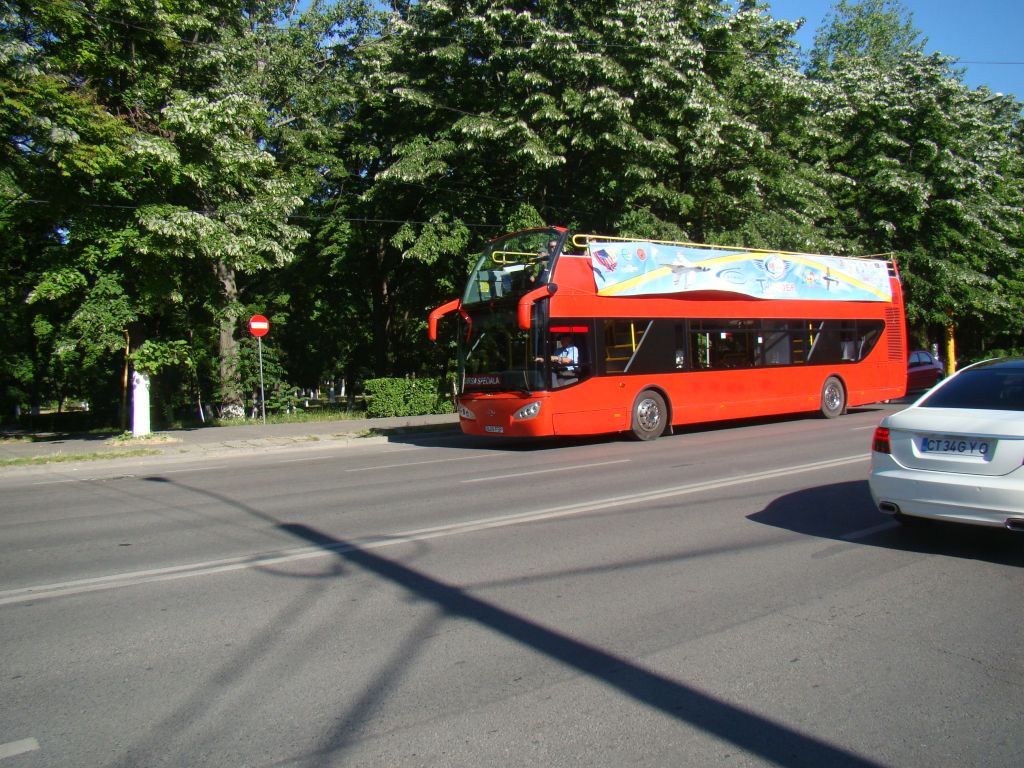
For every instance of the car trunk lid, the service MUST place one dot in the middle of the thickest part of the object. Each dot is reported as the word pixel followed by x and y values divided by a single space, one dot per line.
pixel 954 440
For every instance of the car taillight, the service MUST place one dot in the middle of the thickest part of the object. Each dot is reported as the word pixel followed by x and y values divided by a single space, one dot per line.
pixel 881 441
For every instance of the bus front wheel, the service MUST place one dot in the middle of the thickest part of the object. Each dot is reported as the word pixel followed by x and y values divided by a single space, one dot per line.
pixel 833 398
pixel 650 415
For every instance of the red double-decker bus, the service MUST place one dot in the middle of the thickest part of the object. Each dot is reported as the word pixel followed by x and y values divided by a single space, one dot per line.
pixel 562 334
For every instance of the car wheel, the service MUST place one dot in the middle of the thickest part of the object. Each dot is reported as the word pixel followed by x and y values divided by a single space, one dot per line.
pixel 649 415
pixel 833 398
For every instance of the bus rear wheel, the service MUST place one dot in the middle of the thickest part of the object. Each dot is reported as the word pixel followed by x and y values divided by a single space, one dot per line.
pixel 650 415
pixel 833 398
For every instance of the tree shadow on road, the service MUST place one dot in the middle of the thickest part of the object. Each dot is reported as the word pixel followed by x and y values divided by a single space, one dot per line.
pixel 760 736
pixel 747 730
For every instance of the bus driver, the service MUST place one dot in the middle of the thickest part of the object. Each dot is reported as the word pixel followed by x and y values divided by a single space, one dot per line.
pixel 565 362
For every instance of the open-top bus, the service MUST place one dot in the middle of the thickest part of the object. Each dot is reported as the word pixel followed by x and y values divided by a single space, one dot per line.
pixel 668 334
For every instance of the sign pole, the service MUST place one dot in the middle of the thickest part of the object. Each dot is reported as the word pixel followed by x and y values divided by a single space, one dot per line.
pixel 258 327
pixel 263 398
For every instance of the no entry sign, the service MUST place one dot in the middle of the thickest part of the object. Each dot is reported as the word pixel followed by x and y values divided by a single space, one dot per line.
pixel 258 325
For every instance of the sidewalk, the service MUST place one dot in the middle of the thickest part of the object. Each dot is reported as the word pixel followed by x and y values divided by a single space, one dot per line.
pixel 211 441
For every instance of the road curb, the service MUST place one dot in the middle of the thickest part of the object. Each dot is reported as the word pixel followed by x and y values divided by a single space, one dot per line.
pixel 169 446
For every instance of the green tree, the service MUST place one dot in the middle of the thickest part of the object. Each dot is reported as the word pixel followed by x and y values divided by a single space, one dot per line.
pixel 926 169
pixel 753 163
pixel 639 117
pixel 64 163
pixel 167 196
pixel 163 162
pixel 313 82
pixel 878 30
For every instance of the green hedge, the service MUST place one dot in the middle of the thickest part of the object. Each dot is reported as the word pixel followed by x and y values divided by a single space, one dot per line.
pixel 407 397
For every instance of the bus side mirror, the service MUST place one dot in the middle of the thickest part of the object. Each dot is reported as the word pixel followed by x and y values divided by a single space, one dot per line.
pixel 528 300
pixel 437 314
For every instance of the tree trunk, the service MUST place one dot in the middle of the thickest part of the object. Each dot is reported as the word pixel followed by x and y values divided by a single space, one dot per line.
pixel 124 380
pixel 230 387
pixel 950 349
pixel 380 311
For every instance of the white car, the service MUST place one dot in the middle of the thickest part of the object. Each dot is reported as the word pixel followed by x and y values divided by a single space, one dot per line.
pixel 956 454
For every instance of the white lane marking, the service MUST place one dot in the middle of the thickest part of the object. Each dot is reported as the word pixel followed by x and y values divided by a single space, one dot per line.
pixel 308 458
pixel 545 471
pixel 428 461
pixel 114 581
pixel 864 429
pixel 15 748
pixel 865 532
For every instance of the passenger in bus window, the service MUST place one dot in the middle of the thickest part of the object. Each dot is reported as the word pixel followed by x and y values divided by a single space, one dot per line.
pixel 544 259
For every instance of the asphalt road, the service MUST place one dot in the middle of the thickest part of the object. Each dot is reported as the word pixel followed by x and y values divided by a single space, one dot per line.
pixel 726 596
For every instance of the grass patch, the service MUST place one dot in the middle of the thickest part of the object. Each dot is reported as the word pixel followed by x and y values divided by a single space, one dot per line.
pixel 296 417
pixel 48 437
pixel 154 438
pixel 63 458
pixel 9 439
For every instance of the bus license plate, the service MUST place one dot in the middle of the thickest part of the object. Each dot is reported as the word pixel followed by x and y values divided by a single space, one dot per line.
pixel 494 429
pixel 956 446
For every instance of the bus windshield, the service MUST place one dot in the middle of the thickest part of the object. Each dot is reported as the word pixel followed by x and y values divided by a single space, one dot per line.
pixel 512 266
pixel 499 356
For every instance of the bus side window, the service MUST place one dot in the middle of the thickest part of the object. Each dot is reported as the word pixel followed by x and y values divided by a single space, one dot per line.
pixel 575 348
pixel 834 342
pixel 700 344
pixel 619 344
pixel 658 349
pixel 775 348
pixel 868 334
pixel 733 344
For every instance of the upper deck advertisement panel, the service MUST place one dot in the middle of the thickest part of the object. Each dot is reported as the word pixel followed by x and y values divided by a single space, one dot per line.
pixel 645 268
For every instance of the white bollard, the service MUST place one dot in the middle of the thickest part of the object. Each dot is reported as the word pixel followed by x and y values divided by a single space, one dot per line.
pixel 140 404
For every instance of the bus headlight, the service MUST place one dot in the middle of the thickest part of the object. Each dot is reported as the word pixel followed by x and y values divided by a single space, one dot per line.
pixel 465 413
pixel 527 411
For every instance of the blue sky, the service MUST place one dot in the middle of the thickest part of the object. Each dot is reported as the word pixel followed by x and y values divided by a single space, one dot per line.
pixel 986 36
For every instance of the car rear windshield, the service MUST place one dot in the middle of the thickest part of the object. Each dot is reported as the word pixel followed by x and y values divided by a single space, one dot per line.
pixel 1000 389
